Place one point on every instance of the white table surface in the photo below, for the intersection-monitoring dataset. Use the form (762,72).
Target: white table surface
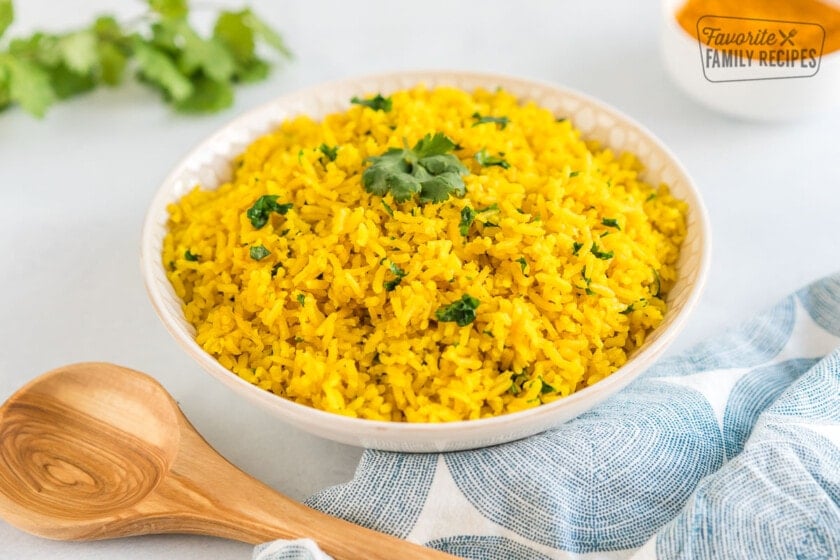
(75,186)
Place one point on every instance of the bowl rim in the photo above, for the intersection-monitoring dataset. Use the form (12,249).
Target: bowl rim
(151,260)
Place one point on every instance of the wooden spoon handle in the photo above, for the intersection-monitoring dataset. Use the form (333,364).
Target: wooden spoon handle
(220,500)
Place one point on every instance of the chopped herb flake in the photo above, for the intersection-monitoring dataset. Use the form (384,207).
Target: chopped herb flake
(390,285)
(492,208)
(576,247)
(467,219)
(387,207)
(329,152)
(259,252)
(190,257)
(561,119)
(574,174)
(598,253)
(656,282)
(501,121)
(650,197)
(377,102)
(486,160)
(522,263)
(461,312)
(301,299)
(546,388)
(611,222)
(628,310)
(259,213)
(275,268)
(426,170)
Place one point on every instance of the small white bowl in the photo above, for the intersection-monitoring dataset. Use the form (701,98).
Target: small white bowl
(210,165)
(761,94)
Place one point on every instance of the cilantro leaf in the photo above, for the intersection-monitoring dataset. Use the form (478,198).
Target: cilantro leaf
(211,56)
(259,252)
(208,96)
(377,102)
(233,29)
(461,312)
(522,263)
(656,282)
(190,257)
(169,8)
(112,63)
(467,219)
(425,170)
(628,310)
(486,160)
(301,299)
(611,222)
(259,213)
(79,52)
(29,85)
(159,69)
(501,121)
(267,33)
(7,15)
(576,247)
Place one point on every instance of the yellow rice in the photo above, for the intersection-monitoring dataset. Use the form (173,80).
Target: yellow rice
(545,327)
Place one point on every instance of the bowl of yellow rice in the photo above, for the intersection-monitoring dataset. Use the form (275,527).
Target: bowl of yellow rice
(427,261)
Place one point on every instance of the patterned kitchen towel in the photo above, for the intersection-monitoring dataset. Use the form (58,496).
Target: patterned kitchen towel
(731,450)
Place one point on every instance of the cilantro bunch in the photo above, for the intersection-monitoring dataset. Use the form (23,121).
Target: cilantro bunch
(426,170)
(192,72)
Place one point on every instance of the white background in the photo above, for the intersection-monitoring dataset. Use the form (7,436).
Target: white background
(74,188)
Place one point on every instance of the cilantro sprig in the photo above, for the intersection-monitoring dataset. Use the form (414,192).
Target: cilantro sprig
(483,119)
(194,73)
(399,274)
(426,170)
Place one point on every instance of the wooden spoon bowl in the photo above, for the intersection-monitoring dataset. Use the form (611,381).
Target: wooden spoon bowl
(95,451)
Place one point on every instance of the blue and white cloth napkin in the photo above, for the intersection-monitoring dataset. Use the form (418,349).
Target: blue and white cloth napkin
(731,450)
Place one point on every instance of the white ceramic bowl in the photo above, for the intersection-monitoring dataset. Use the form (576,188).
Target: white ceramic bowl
(209,165)
(761,94)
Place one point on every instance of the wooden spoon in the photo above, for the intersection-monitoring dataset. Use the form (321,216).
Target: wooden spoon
(96,451)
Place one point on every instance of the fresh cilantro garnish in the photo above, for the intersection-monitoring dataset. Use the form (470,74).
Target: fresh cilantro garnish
(657,283)
(390,285)
(492,208)
(650,197)
(479,119)
(587,281)
(467,219)
(522,263)
(259,252)
(193,72)
(262,209)
(517,382)
(486,160)
(329,152)
(628,310)
(387,207)
(275,268)
(301,299)
(561,119)
(377,102)
(574,174)
(611,222)
(426,170)
(461,312)
(598,253)
(190,256)
(545,387)
(576,247)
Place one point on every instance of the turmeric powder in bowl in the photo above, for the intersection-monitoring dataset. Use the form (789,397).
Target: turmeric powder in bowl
(823,14)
